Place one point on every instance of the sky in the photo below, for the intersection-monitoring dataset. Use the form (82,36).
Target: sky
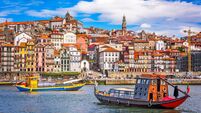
(164,17)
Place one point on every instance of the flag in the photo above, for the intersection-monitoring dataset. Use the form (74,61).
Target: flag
(188,89)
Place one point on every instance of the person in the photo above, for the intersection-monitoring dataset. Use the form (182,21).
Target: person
(176,92)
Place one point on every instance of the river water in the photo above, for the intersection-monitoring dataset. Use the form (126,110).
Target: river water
(83,101)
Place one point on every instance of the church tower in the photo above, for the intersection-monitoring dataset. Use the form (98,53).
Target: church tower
(124,25)
(68,17)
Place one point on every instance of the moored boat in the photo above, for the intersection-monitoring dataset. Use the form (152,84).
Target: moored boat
(32,85)
(150,91)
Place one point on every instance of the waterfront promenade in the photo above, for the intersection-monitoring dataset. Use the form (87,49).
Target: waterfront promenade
(114,78)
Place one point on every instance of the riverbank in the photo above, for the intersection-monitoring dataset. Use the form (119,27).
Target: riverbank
(130,82)
(133,81)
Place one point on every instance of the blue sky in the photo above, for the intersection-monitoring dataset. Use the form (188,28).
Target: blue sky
(165,17)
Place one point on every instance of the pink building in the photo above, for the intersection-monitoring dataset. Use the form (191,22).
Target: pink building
(83,42)
(49,57)
(40,57)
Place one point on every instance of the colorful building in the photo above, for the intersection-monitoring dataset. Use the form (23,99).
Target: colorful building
(30,58)
(7,58)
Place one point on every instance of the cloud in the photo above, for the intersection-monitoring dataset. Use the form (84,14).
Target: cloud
(145,26)
(7,12)
(16,4)
(4,19)
(88,20)
(162,16)
(49,13)
(139,10)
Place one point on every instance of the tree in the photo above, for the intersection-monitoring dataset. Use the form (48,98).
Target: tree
(181,49)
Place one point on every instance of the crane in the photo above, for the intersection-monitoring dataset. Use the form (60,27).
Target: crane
(189,32)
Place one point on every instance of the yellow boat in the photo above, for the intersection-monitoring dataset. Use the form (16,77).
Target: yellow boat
(32,85)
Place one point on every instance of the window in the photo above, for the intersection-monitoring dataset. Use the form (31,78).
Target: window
(154,82)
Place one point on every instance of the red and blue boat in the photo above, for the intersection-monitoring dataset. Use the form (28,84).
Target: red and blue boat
(150,91)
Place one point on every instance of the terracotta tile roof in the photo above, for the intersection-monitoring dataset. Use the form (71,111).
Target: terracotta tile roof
(78,46)
(141,41)
(23,44)
(157,54)
(17,23)
(44,21)
(7,45)
(44,36)
(57,19)
(105,46)
(110,49)
(101,40)
(125,38)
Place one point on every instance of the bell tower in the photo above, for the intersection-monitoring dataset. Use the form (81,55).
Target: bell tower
(124,25)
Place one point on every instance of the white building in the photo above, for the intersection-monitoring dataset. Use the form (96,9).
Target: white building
(22,37)
(57,39)
(131,58)
(160,45)
(107,58)
(70,59)
(75,59)
(56,23)
(57,62)
(69,38)
(112,45)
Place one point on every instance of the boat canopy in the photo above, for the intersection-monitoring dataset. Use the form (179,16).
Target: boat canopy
(123,89)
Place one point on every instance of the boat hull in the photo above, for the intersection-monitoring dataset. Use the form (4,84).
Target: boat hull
(170,104)
(61,88)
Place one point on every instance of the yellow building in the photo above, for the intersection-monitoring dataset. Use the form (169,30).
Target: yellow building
(30,57)
(22,56)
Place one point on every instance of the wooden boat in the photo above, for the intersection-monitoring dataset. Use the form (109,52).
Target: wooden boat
(32,85)
(150,91)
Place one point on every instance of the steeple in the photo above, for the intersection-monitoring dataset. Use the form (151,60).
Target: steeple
(6,25)
(124,25)
(68,16)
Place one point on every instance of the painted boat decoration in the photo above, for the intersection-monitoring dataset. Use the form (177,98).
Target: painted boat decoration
(32,85)
(150,91)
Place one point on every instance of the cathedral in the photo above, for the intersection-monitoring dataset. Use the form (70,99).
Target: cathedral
(68,23)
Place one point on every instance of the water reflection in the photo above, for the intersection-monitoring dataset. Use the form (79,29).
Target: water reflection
(126,109)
